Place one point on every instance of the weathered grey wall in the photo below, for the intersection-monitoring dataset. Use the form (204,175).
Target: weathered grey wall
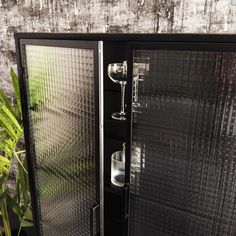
(153,16)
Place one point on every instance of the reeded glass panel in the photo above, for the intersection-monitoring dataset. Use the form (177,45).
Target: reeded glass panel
(183,166)
(62,135)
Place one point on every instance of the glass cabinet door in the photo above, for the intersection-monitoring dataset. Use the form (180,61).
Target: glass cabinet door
(183,145)
(61,106)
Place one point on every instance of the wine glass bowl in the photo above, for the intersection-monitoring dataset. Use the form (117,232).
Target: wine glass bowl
(117,72)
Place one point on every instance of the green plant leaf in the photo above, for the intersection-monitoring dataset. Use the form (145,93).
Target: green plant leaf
(20,163)
(4,164)
(26,177)
(4,100)
(19,152)
(10,143)
(16,87)
(14,205)
(18,190)
(10,133)
(9,123)
(14,121)
(5,148)
(4,160)
(16,209)
(2,180)
(3,195)
(23,183)
(5,123)
(27,218)
(3,133)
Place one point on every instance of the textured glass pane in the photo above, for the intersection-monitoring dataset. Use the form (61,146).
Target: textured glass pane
(62,134)
(184,131)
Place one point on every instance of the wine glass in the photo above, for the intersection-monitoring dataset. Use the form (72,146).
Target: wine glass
(117,72)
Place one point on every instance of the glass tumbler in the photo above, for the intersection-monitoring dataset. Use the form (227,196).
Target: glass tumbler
(118,168)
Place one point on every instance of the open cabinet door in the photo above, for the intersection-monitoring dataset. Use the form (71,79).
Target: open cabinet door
(182,168)
(61,87)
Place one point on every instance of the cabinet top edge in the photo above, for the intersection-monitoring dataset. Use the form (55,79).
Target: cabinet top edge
(191,37)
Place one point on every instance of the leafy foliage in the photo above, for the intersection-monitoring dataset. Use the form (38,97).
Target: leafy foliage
(11,131)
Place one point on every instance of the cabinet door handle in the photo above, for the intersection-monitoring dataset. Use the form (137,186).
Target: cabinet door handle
(93,215)
(136,103)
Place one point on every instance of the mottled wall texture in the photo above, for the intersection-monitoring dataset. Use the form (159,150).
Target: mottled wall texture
(140,16)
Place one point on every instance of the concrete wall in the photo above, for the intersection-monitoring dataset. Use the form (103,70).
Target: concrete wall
(152,16)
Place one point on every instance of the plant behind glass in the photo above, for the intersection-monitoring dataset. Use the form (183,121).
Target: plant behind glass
(11,154)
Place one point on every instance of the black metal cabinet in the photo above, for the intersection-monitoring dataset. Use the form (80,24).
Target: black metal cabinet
(179,133)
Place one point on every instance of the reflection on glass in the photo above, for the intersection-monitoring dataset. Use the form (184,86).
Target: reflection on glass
(140,71)
(117,72)
(135,164)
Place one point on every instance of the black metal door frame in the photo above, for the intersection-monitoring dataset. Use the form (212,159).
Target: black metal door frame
(96,46)
(202,45)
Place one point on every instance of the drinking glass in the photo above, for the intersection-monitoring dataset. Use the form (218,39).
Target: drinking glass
(118,165)
(117,72)
(118,168)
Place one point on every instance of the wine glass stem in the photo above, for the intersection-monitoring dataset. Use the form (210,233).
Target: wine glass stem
(122,99)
